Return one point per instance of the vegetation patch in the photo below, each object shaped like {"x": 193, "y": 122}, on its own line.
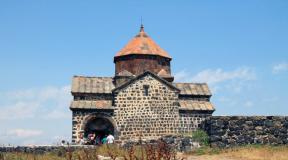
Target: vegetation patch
{"x": 201, "y": 137}
{"x": 161, "y": 151}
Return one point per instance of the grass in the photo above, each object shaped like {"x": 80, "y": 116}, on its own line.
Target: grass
{"x": 160, "y": 152}
{"x": 248, "y": 152}
{"x": 201, "y": 137}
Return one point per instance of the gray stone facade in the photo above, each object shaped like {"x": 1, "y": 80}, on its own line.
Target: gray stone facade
{"x": 146, "y": 107}
{"x": 148, "y": 116}
{"x": 189, "y": 122}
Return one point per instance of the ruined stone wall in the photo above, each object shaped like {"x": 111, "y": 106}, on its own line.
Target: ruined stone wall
{"x": 191, "y": 121}
{"x": 148, "y": 116}
{"x": 227, "y": 131}
{"x": 79, "y": 120}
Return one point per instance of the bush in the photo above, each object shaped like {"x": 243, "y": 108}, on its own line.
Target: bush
{"x": 201, "y": 137}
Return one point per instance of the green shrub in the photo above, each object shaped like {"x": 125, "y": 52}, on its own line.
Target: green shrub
{"x": 201, "y": 137}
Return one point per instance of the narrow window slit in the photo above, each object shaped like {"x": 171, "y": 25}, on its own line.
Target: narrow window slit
{"x": 146, "y": 90}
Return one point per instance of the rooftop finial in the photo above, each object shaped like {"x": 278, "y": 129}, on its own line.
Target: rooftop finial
{"x": 142, "y": 26}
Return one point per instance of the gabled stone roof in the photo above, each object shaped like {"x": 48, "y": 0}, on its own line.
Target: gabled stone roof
{"x": 95, "y": 104}
{"x": 142, "y": 44}
{"x": 103, "y": 85}
{"x": 197, "y": 89}
{"x": 196, "y": 105}
{"x": 143, "y": 75}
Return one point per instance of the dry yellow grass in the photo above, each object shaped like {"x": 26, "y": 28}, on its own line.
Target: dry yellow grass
{"x": 244, "y": 153}
{"x": 23, "y": 156}
{"x": 239, "y": 153}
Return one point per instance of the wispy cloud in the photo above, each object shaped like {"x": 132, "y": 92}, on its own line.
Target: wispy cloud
{"x": 18, "y": 110}
{"x": 219, "y": 75}
{"x": 40, "y": 106}
{"x": 281, "y": 67}
{"x": 23, "y": 133}
{"x": 47, "y": 102}
{"x": 219, "y": 78}
{"x": 213, "y": 76}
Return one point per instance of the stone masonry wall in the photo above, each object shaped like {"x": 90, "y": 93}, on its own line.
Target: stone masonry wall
{"x": 148, "y": 117}
{"x": 138, "y": 64}
{"x": 225, "y": 131}
{"x": 190, "y": 121}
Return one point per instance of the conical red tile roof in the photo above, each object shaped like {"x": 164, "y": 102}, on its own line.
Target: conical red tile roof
{"x": 142, "y": 44}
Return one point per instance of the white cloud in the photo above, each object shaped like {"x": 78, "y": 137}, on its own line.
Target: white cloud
{"x": 218, "y": 75}
{"x": 40, "y": 94}
{"x": 40, "y": 107}
{"x": 23, "y": 133}
{"x": 281, "y": 67}
{"x": 234, "y": 80}
{"x": 19, "y": 110}
{"x": 47, "y": 102}
{"x": 213, "y": 76}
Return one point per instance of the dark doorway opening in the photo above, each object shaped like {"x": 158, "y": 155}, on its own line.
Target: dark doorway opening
{"x": 100, "y": 127}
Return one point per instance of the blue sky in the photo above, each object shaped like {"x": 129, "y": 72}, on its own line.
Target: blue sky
{"x": 238, "y": 47}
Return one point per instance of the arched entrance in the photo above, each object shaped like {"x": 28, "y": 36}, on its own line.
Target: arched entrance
{"x": 99, "y": 125}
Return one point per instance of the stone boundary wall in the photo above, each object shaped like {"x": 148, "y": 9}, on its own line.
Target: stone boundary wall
{"x": 43, "y": 149}
{"x": 229, "y": 131}
{"x": 189, "y": 122}
{"x": 179, "y": 143}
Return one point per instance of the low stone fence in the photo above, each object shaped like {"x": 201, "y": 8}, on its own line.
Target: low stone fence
{"x": 228, "y": 131}
{"x": 42, "y": 149}
{"x": 179, "y": 143}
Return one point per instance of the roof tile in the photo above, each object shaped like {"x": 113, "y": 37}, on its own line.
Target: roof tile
{"x": 82, "y": 84}
{"x": 142, "y": 44}
{"x": 193, "y": 89}
{"x": 96, "y": 104}
{"x": 196, "y": 105}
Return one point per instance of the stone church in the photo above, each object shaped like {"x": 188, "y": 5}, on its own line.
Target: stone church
{"x": 141, "y": 99}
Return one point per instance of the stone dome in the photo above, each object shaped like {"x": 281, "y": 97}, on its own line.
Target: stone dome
{"x": 142, "y": 44}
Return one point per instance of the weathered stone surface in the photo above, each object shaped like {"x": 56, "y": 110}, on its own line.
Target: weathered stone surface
{"x": 189, "y": 122}
{"x": 146, "y": 115}
{"x": 177, "y": 142}
{"x": 42, "y": 149}
{"x": 227, "y": 131}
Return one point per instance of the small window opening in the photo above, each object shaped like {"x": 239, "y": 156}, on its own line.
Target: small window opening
{"x": 146, "y": 90}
